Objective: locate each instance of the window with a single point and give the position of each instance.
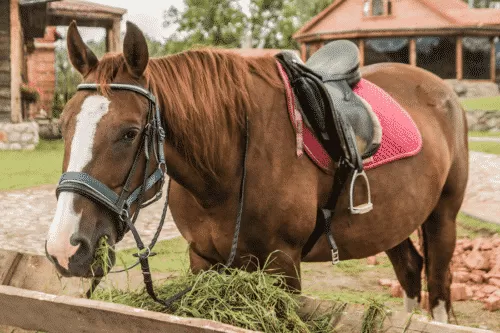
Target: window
(387, 50)
(437, 55)
(377, 7)
(476, 58)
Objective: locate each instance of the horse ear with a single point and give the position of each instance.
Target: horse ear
(82, 58)
(135, 50)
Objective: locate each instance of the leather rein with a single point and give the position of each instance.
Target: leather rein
(152, 143)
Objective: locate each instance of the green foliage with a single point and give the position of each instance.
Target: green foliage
(273, 22)
(205, 22)
(270, 24)
(482, 103)
(21, 169)
(484, 134)
(488, 147)
(67, 78)
(468, 226)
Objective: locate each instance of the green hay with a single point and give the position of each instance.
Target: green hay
(373, 317)
(251, 300)
(101, 256)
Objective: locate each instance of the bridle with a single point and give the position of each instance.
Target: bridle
(152, 143)
(153, 137)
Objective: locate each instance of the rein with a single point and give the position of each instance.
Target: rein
(152, 142)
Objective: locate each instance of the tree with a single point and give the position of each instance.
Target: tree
(206, 22)
(270, 24)
(273, 22)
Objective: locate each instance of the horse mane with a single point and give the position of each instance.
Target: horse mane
(204, 96)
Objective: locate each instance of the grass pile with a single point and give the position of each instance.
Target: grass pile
(251, 300)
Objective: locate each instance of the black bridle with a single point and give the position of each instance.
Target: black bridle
(153, 137)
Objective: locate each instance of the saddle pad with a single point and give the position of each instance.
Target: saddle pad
(400, 136)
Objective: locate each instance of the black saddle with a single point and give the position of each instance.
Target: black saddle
(336, 65)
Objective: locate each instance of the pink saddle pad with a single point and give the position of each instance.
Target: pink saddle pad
(400, 136)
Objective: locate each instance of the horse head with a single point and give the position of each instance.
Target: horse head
(104, 133)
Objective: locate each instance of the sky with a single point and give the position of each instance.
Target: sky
(147, 14)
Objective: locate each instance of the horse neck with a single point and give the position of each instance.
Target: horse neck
(210, 189)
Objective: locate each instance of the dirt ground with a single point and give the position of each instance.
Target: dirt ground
(356, 282)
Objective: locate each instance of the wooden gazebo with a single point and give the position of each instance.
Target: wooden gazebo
(445, 37)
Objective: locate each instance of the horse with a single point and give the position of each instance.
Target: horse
(208, 101)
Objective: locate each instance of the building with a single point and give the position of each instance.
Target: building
(27, 35)
(27, 58)
(445, 37)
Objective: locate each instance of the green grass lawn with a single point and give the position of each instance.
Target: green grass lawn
(485, 147)
(22, 169)
(478, 134)
(482, 103)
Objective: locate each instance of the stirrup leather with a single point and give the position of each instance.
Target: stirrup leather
(363, 208)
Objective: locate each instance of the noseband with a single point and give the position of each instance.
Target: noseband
(152, 139)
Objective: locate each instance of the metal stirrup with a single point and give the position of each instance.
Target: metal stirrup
(363, 208)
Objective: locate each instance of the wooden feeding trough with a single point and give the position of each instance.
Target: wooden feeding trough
(24, 305)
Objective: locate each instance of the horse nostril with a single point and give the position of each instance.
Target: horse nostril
(84, 248)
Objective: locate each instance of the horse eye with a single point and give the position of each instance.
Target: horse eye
(130, 135)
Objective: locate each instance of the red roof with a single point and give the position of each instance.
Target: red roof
(83, 6)
(347, 15)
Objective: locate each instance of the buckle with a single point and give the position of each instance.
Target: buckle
(335, 256)
(124, 215)
(144, 253)
(363, 208)
(161, 132)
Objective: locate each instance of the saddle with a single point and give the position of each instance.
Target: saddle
(336, 67)
(344, 124)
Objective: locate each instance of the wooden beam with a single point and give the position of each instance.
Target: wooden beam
(493, 67)
(34, 311)
(460, 59)
(361, 52)
(398, 33)
(413, 52)
(16, 62)
(113, 37)
(303, 51)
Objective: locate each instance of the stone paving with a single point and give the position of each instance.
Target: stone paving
(26, 214)
(482, 199)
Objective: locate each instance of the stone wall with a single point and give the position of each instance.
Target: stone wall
(479, 120)
(18, 136)
(473, 89)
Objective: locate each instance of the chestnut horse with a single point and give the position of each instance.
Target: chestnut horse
(204, 97)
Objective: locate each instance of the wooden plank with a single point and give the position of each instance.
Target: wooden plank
(9, 261)
(33, 310)
(493, 64)
(413, 52)
(460, 59)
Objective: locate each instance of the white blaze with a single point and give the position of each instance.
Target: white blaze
(66, 220)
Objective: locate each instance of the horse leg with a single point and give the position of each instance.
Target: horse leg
(407, 263)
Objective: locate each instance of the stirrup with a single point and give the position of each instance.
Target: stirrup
(363, 208)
